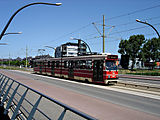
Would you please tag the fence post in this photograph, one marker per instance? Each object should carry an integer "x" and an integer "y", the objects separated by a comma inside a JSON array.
[
  {"x": 62, "y": 114},
  {"x": 18, "y": 106},
  {"x": 2, "y": 81},
  {"x": 6, "y": 94},
  {"x": 1, "y": 92},
  {"x": 10, "y": 100},
  {"x": 34, "y": 109},
  {"x": 1, "y": 76}
]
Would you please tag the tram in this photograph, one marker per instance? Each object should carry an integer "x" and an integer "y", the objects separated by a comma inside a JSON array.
[{"x": 91, "y": 68}]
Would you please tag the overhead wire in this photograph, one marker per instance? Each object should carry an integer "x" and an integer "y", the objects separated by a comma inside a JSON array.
[
  {"x": 130, "y": 13},
  {"x": 132, "y": 29},
  {"x": 126, "y": 14},
  {"x": 111, "y": 18}
]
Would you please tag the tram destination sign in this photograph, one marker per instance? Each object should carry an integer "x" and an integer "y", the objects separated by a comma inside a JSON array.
[{"x": 112, "y": 57}]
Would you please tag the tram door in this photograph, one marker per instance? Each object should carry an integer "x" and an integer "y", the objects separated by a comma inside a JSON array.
[
  {"x": 70, "y": 69},
  {"x": 52, "y": 67},
  {"x": 98, "y": 71}
]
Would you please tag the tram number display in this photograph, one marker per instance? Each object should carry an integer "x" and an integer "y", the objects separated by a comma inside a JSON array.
[{"x": 112, "y": 57}]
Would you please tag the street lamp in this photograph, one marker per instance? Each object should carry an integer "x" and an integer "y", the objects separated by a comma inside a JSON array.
[
  {"x": 5, "y": 28},
  {"x": 149, "y": 25},
  {"x": 3, "y": 44},
  {"x": 41, "y": 51},
  {"x": 12, "y": 33},
  {"x": 51, "y": 48},
  {"x": 83, "y": 42}
]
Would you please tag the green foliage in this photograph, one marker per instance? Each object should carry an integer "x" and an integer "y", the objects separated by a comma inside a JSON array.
[
  {"x": 155, "y": 72},
  {"x": 150, "y": 51},
  {"x": 123, "y": 45},
  {"x": 149, "y": 73},
  {"x": 131, "y": 47},
  {"x": 13, "y": 63}
]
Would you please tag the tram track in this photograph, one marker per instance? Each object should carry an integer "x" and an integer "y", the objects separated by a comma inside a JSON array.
[{"x": 136, "y": 84}]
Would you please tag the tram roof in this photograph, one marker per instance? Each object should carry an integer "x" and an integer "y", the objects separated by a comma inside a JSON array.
[{"x": 87, "y": 57}]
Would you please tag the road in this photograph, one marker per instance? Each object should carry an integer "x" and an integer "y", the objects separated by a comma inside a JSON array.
[{"x": 101, "y": 102}]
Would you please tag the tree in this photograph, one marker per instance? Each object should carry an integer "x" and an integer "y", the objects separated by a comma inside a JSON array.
[
  {"x": 150, "y": 50},
  {"x": 131, "y": 47},
  {"x": 123, "y": 45},
  {"x": 155, "y": 49}
]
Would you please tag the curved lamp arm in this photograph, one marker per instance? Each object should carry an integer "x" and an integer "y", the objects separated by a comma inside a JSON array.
[
  {"x": 149, "y": 25},
  {"x": 84, "y": 43},
  {"x": 5, "y": 28}
]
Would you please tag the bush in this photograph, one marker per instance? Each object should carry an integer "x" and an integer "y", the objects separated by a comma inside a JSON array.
[{"x": 147, "y": 73}]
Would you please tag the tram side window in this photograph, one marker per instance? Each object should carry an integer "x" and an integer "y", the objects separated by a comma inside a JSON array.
[
  {"x": 76, "y": 64},
  {"x": 57, "y": 64},
  {"x": 49, "y": 64},
  {"x": 73, "y": 64},
  {"x": 69, "y": 64},
  {"x": 34, "y": 64},
  {"x": 89, "y": 64},
  {"x": 43, "y": 65},
  {"x": 39, "y": 63},
  {"x": 53, "y": 64},
  {"x": 82, "y": 64},
  {"x": 65, "y": 64}
]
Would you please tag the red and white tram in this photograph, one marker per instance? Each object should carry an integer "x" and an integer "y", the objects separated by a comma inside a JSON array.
[{"x": 92, "y": 68}]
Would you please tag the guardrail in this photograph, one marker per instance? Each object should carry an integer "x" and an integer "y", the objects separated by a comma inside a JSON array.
[{"x": 22, "y": 102}]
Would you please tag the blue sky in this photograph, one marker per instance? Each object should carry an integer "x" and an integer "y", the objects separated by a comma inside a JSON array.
[{"x": 43, "y": 25}]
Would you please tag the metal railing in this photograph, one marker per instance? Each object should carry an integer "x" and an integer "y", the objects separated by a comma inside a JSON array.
[{"x": 22, "y": 102}]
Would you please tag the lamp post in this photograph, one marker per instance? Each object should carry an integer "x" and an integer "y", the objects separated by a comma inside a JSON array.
[
  {"x": 83, "y": 42},
  {"x": 41, "y": 51},
  {"x": 12, "y": 33},
  {"x": 3, "y": 44},
  {"x": 51, "y": 48},
  {"x": 149, "y": 25},
  {"x": 8, "y": 23}
]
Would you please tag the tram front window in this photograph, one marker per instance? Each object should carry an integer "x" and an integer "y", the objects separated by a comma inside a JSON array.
[{"x": 111, "y": 65}]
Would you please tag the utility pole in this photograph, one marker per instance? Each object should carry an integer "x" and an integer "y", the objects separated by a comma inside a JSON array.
[
  {"x": 2, "y": 61},
  {"x": 9, "y": 60},
  {"x": 103, "y": 34},
  {"x": 26, "y": 55}
]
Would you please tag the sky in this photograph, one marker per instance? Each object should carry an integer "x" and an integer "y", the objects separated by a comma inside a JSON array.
[{"x": 43, "y": 25}]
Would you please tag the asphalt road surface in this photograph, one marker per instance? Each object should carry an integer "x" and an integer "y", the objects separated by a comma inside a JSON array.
[{"x": 99, "y": 101}]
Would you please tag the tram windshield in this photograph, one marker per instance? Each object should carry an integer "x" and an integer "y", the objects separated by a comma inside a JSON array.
[{"x": 111, "y": 65}]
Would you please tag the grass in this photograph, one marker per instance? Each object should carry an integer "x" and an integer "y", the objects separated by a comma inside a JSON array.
[
  {"x": 141, "y": 72},
  {"x": 14, "y": 68}
]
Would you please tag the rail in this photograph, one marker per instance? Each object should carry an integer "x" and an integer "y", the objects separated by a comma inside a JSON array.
[
  {"x": 139, "y": 85},
  {"x": 22, "y": 102}
]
